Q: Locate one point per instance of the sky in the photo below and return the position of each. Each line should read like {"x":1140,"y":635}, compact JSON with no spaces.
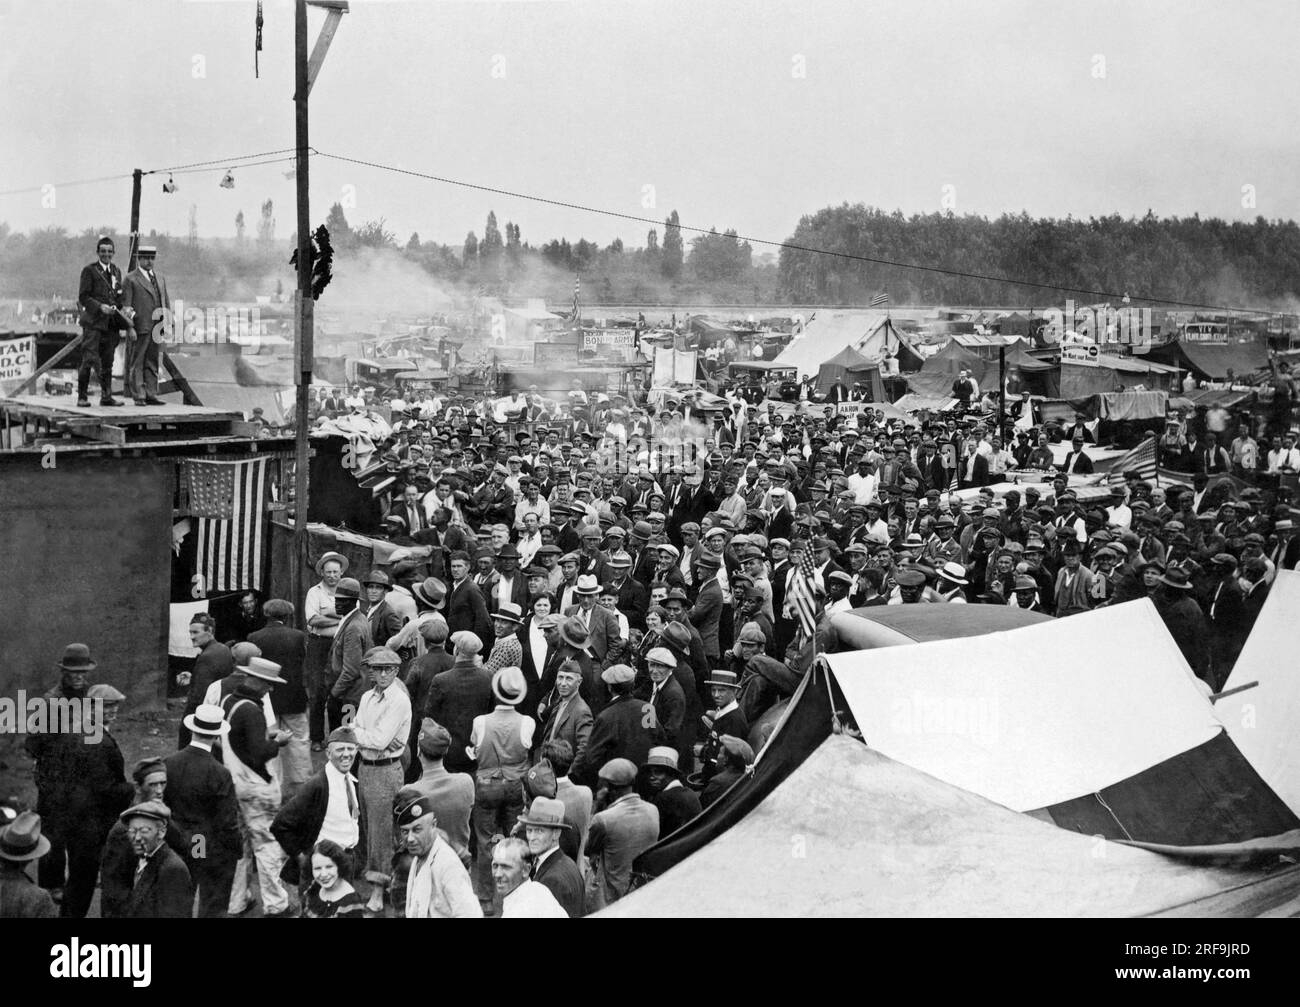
{"x":744,"y":115}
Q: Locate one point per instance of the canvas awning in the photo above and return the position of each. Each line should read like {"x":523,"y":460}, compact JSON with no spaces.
{"x":1209,"y":361}
{"x":854,"y":833}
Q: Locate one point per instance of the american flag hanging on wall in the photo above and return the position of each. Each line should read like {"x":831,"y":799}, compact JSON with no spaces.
{"x":228,"y":501}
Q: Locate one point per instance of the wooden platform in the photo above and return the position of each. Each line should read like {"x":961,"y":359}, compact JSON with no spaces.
{"x":43,"y":418}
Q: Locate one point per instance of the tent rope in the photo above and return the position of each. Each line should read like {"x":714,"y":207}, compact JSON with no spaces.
{"x":1103,"y":803}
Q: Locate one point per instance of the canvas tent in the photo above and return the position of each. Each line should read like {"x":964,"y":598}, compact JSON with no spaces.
{"x":826,"y":334}
{"x":1094,"y":738}
{"x":854,"y":833}
{"x":935,"y":378}
{"x":1211,"y":361}
{"x":851,"y":367}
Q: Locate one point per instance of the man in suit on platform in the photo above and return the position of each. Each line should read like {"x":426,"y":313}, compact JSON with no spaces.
{"x":100,"y":294}
{"x":146,"y":296}
{"x":201,"y":795}
{"x":162,"y":889}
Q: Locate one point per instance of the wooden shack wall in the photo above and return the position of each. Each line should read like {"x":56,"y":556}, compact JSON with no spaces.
{"x":85,"y":556}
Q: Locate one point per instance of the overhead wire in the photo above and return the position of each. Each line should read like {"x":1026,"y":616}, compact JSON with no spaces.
{"x":792,"y":246}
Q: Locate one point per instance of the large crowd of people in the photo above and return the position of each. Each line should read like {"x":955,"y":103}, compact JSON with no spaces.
{"x":591,"y":633}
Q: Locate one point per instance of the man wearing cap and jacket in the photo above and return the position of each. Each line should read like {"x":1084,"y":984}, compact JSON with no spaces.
{"x":600,"y":624}
{"x":353,"y":637}
{"x":163,"y":888}
{"x":662,"y":780}
{"x":623,"y":729}
{"x":146,"y":295}
{"x":214,"y":662}
{"x":543,"y":826}
{"x":706,"y":614}
{"x":623,"y":826}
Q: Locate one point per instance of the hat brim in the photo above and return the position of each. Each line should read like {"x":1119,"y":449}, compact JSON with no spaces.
{"x":1174,"y":584}
{"x":79,"y":668}
{"x":275,"y":679}
{"x":503,"y":617}
{"x":194,"y":728}
{"x":525,"y":820}
{"x":431,"y":602}
{"x":581,"y":645}
{"x":337,"y":557}
{"x":728,"y":685}
{"x":675,"y":770}
{"x":41,"y":848}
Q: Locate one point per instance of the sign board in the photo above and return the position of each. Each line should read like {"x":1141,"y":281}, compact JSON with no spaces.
{"x":550,"y":355}
{"x":1082,"y":354}
{"x":621,"y":339}
{"x":17,"y":359}
{"x":850,"y":408}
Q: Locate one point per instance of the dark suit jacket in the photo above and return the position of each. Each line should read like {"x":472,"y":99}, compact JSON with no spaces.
{"x":467,"y":610}
{"x":456,"y":697}
{"x":298,"y":823}
{"x":602,"y":630}
{"x":201,"y":796}
{"x":561,"y":875}
{"x":214,"y":662}
{"x":384,"y":622}
{"x":670,"y":713}
{"x":1084,"y":467}
{"x":634,"y":602}
{"x":574,"y":725}
{"x":518,"y":593}
{"x":676,"y":807}
{"x":979,"y":475}
{"x":287,"y":647}
{"x":706,"y":614}
{"x":621,"y":731}
{"x":93,"y":290}
{"x":163,"y":891}
{"x":343,"y":674}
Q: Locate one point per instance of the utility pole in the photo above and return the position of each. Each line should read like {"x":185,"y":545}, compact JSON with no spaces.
{"x":305,"y":73}
{"x":133,"y":239}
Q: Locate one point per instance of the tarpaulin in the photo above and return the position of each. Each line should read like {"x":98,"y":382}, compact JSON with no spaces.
{"x":853,"y":833}
{"x":1127,"y":405}
{"x":1078,"y":381}
{"x":1264,"y":720}
{"x":984,"y":715}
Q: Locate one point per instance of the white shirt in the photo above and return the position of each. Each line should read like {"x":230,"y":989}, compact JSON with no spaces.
{"x":532,"y":900}
{"x":863,"y":487}
{"x":340,"y":825}
{"x":383,"y":722}
{"x":528,"y":546}
{"x":1284,"y":460}
{"x":213,"y":696}
{"x":1120,"y":515}
{"x":537,"y":644}
{"x":319,"y":601}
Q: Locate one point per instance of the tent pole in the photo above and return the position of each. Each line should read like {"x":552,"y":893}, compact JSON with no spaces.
{"x":1002,"y":394}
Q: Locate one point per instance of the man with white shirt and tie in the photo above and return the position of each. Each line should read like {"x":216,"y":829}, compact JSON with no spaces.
{"x":100,"y":294}
{"x":146,"y":296}
{"x":327,"y":807}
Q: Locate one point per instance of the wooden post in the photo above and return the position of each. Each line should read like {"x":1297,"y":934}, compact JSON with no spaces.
{"x":1002,"y":394}
{"x":303,"y":330}
{"x":133,"y":239}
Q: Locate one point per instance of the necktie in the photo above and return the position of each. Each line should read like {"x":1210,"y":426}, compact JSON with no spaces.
{"x":352,"y":799}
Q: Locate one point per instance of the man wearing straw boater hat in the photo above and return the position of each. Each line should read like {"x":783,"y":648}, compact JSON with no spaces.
{"x":250,"y":751}
{"x":501,"y":741}
{"x":543,"y":825}
{"x":150,"y":307}
{"x":201,"y":795}
{"x":382,"y":727}
{"x":21,"y":844}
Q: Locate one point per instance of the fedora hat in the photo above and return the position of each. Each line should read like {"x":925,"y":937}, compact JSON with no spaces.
{"x":509,"y":686}
{"x":337,"y":557}
{"x":76,"y":657}
{"x":587,"y":584}
{"x":431,"y":591}
{"x":21,"y":839}
{"x":1176,"y":577}
{"x":574,"y":633}
{"x":509,"y":612}
{"x":260,"y":667}
{"x":547,"y":813}
{"x":207,"y":719}
{"x":377,"y":577}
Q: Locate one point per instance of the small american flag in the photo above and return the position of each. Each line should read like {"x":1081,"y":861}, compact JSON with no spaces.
{"x":801,"y":592}
{"x":877,"y":300}
{"x":229,"y":501}
{"x":1141,"y":459}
